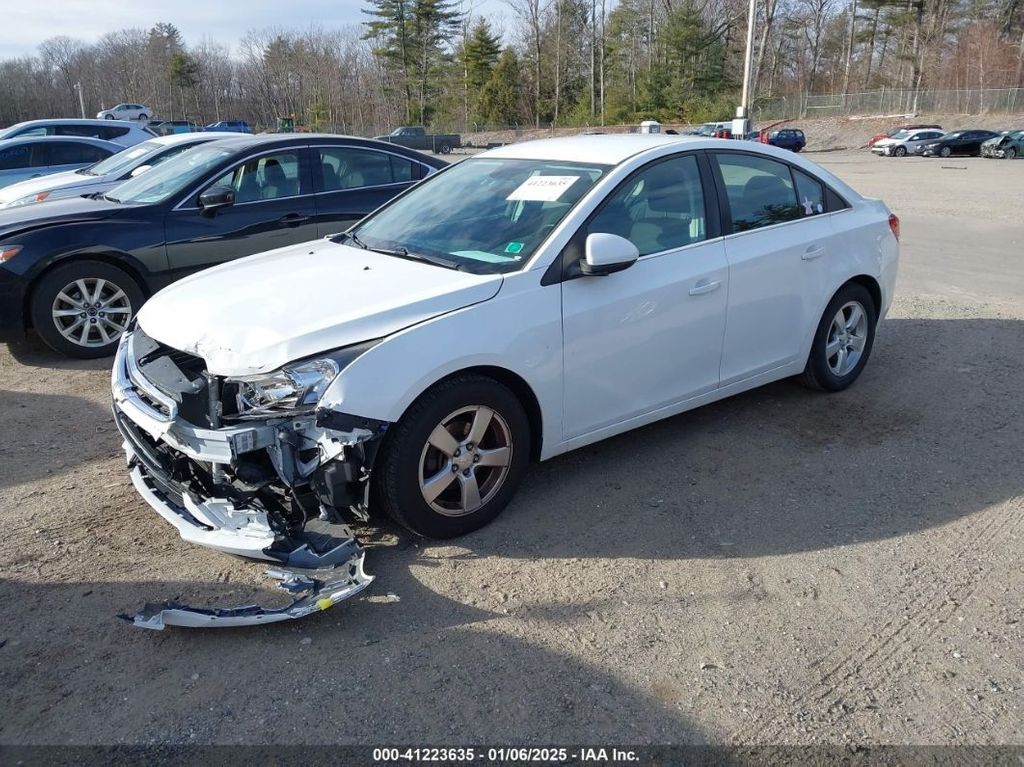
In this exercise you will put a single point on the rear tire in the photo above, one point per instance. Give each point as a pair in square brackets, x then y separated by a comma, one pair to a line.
[82, 308]
[842, 343]
[465, 445]
[144, 117]
[445, 149]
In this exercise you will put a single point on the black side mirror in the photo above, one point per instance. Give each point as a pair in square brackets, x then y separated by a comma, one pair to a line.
[215, 198]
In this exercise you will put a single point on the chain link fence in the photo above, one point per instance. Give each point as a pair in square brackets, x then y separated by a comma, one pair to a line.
[895, 101]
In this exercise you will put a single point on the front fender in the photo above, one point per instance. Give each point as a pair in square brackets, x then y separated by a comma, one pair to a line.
[519, 330]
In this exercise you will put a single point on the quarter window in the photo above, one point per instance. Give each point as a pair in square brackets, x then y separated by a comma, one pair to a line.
[269, 177]
[660, 208]
[351, 168]
[69, 153]
[810, 194]
[760, 191]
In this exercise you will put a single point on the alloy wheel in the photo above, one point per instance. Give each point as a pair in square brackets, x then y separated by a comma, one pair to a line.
[466, 460]
[846, 338]
[91, 312]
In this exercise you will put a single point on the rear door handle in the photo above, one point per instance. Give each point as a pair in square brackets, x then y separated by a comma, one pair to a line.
[813, 252]
[293, 219]
[705, 286]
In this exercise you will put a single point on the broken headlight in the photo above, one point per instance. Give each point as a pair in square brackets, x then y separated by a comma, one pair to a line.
[296, 387]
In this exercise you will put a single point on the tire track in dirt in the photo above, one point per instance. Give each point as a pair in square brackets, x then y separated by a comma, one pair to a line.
[938, 598]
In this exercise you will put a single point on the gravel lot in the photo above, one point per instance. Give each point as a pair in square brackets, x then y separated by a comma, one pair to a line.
[782, 567]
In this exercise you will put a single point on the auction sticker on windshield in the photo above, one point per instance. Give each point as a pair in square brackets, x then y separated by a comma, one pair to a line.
[542, 188]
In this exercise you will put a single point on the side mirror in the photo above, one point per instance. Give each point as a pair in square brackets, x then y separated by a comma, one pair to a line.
[141, 169]
[607, 253]
[215, 198]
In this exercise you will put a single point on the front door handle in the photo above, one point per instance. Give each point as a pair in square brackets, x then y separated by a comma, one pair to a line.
[705, 286]
[293, 219]
[813, 252]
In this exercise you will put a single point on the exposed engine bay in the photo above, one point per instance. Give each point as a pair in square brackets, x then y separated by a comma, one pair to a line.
[232, 473]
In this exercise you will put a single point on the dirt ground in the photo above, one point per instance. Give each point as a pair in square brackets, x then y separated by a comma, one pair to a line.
[781, 567]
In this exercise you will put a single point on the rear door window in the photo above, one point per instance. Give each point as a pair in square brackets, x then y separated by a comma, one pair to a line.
[73, 153]
[760, 191]
[353, 168]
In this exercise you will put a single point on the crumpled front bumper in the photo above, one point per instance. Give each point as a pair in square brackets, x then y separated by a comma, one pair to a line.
[324, 565]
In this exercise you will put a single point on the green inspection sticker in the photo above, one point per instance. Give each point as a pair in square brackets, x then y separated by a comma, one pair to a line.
[513, 247]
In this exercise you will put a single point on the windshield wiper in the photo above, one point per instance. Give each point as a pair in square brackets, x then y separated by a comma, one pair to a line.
[348, 236]
[401, 252]
[108, 198]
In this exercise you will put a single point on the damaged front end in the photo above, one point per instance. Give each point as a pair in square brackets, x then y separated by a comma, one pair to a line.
[247, 466]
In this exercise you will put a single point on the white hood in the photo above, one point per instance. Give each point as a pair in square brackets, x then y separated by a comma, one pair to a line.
[54, 181]
[258, 313]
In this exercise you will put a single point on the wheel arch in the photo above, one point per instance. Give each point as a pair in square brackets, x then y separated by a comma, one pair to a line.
[871, 285]
[519, 387]
[121, 261]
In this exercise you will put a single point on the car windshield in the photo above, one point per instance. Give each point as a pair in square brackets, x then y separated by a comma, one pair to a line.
[485, 216]
[902, 134]
[122, 161]
[168, 178]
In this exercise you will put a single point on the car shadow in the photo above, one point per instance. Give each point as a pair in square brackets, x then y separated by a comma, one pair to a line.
[47, 434]
[32, 352]
[930, 433]
[424, 670]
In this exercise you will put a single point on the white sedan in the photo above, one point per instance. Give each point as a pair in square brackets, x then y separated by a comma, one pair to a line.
[520, 304]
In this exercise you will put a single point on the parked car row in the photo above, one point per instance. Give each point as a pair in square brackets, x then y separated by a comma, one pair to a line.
[932, 141]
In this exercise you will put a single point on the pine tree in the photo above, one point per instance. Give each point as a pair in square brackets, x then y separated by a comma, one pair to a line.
[478, 56]
[501, 98]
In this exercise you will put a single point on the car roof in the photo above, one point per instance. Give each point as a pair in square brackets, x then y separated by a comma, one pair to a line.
[606, 149]
[59, 140]
[188, 138]
[247, 141]
[74, 121]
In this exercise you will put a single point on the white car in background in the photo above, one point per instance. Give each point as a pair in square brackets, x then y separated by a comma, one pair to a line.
[120, 132]
[906, 142]
[522, 303]
[126, 112]
[106, 174]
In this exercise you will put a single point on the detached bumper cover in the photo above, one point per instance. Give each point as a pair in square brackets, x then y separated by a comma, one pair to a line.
[316, 591]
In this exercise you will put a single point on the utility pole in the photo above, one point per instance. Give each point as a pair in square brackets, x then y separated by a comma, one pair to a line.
[81, 101]
[741, 125]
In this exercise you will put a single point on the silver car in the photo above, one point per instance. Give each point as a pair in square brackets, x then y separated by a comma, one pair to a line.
[906, 142]
[126, 112]
[24, 158]
[119, 131]
[105, 174]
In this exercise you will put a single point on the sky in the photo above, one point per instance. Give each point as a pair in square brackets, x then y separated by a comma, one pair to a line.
[26, 24]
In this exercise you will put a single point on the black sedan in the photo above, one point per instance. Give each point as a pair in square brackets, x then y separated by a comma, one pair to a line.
[963, 142]
[77, 270]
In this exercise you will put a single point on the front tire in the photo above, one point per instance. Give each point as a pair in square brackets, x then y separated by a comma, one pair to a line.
[82, 309]
[945, 152]
[843, 340]
[900, 151]
[1009, 153]
[144, 117]
[455, 459]
[108, 117]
